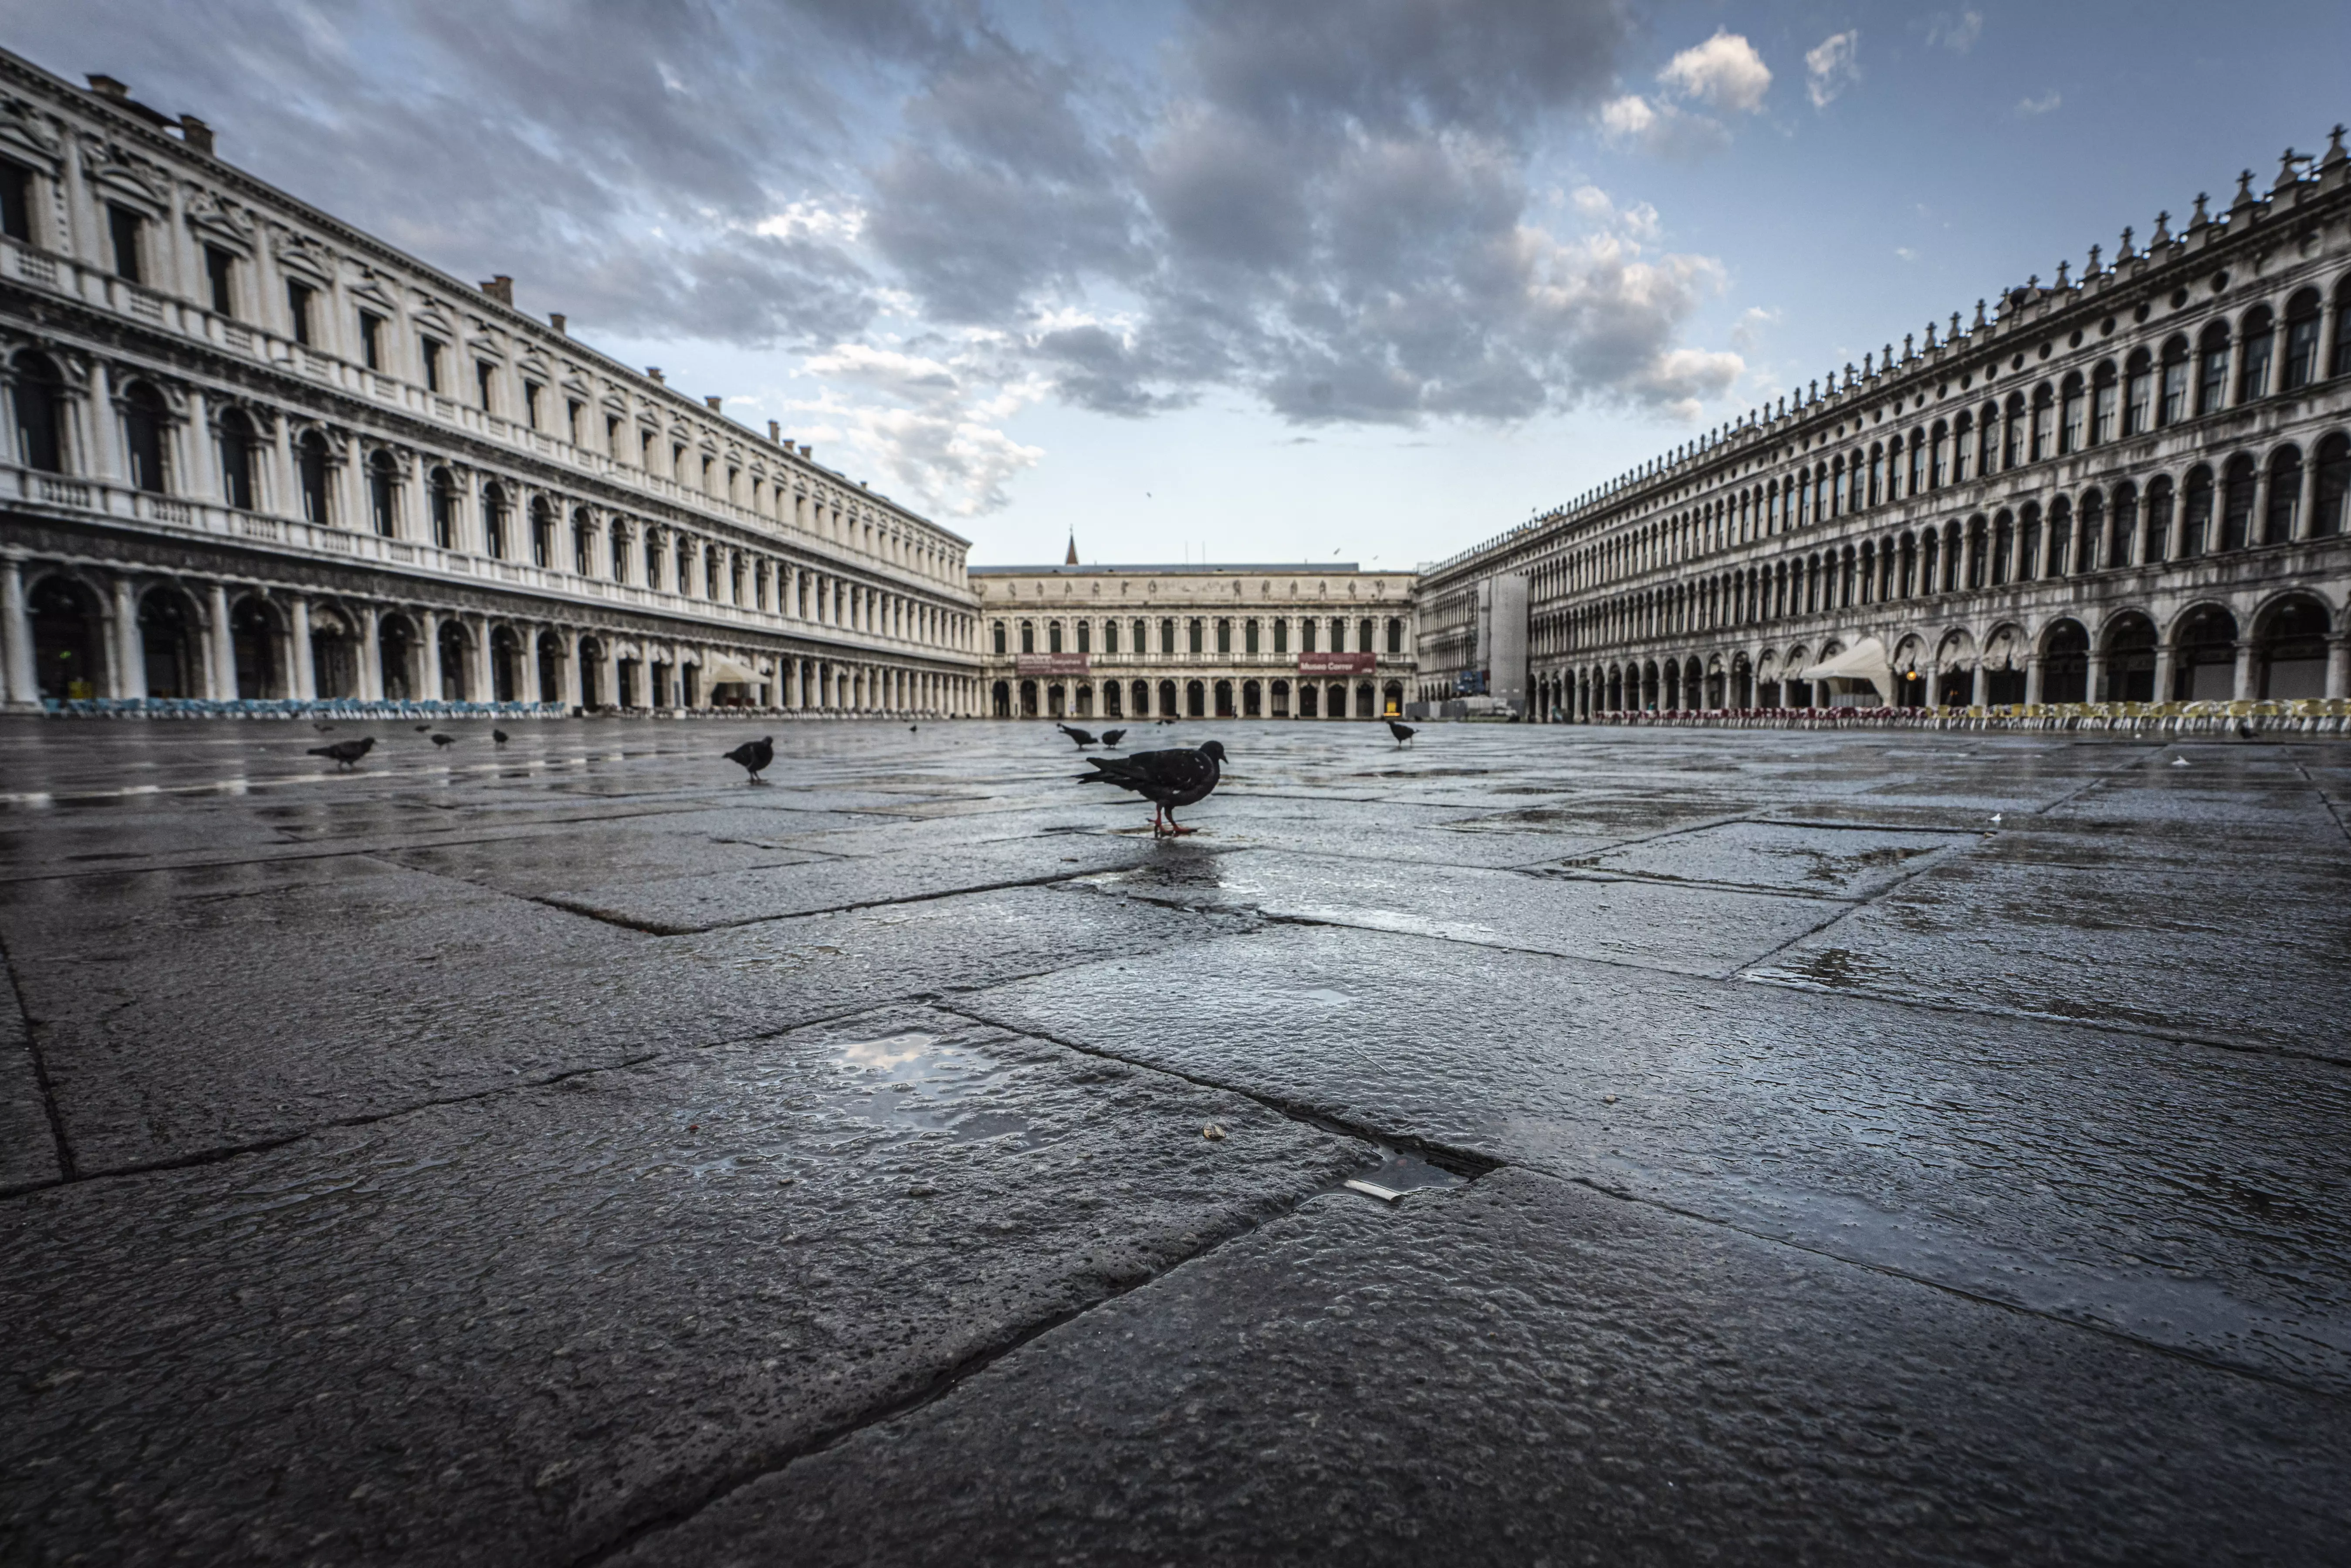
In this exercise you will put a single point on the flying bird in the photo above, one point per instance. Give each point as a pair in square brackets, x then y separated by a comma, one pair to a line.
[1083, 737]
[1112, 736]
[753, 755]
[1165, 778]
[499, 736]
[439, 740]
[346, 752]
[1403, 732]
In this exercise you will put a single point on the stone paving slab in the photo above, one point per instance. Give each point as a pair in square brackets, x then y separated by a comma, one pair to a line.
[2004, 1158]
[516, 1328]
[1526, 1371]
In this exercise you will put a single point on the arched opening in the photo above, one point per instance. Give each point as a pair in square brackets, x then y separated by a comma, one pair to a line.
[40, 399]
[440, 493]
[1085, 700]
[1252, 700]
[396, 647]
[254, 640]
[1224, 699]
[1392, 700]
[2290, 650]
[1309, 698]
[2284, 509]
[240, 447]
[2237, 504]
[2129, 674]
[592, 660]
[1334, 696]
[2302, 324]
[1279, 696]
[1365, 703]
[1195, 695]
[1028, 699]
[2333, 486]
[1616, 688]
[144, 421]
[1056, 701]
[383, 493]
[550, 667]
[66, 640]
[506, 664]
[542, 533]
[496, 513]
[310, 471]
[2066, 664]
[1000, 695]
[1140, 692]
[1673, 684]
[453, 648]
[1113, 707]
[167, 644]
[2204, 656]
[2253, 361]
[334, 654]
[1167, 693]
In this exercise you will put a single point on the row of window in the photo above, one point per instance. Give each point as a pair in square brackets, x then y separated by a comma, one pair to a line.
[1199, 629]
[1199, 699]
[2243, 505]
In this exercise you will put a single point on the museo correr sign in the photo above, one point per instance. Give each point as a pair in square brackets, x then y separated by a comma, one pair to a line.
[1050, 664]
[1337, 663]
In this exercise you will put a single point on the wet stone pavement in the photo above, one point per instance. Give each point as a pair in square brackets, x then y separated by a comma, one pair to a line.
[1781, 1149]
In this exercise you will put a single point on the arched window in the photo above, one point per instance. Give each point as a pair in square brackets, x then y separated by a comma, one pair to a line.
[1364, 635]
[1052, 637]
[143, 417]
[2338, 355]
[442, 491]
[2044, 420]
[1027, 636]
[1192, 640]
[2069, 425]
[2237, 504]
[1085, 637]
[1281, 635]
[311, 465]
[383, 493]
[496, 511]
[2253, 364]
[2090, 533]
[2334, 484]
[1877, 474]
[1166, 646]
[1396, 635]
[240, 454]
[2196, 513]
[2175, 380]
[2280, 516]
[583, 543]
[40, 415]
[1250, 639]
[619, 554]
[2139, 393]
[1937, 444]
[2060, 535]
[2156, 539]
[999, 630]
[542, 532]
[1110, 637]
[2012, 453]
[2104, 392]
[1988, 440]
[2122, 528]
[2302, 322]
[1963, 440]
[2212, 367]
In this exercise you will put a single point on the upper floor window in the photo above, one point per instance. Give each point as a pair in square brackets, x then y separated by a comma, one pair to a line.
[1167, 636]
[583, 543]
[2212, 369]
[1396, 635]
[220, 271]
[1110, 637]
[999, 639]
[298, 297]
[1963, 440]
[485, 373]
[1028, 637]
[1306, 635]
[2070, 426]
[1053, 638]
[40, 415]
[142, 430]
[2338, 356]
[1364, 635]
[1224, 636]
[1248, 640]
[123, 227]
[2253, 364]
[2103, 395]
[575, 417]
[372, 340]
[16, 201]
[2174, 407]
[240, 454]
[530, 391]
[2138, 393]
[2012, 446]
[1192, 636]
[2302, 339]
[621, 560]
[1085, 637]
[542, 533]
[1338, 634]
[310, 468]
[442, 492]
[2044, 419]
[383, 493]
[428, 348]
[1281, 636]
[495, 515]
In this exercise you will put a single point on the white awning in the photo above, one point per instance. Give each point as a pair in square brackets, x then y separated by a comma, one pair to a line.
[1864, 663]
[719, 670]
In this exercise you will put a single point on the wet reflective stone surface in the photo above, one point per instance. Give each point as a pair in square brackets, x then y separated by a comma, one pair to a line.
[1841, 1148]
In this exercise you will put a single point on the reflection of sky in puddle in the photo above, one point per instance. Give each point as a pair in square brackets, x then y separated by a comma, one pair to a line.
[1399, 1171]
[911, 1083]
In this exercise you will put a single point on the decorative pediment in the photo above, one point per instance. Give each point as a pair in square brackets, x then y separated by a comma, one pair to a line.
[27, 137]
[305, 258]
[217, 224]
[432, 316]
[370, 286]
[487, 346]
[125, 184]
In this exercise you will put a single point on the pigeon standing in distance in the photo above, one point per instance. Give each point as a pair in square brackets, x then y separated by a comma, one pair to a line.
[1112, 736]
[1083, 737]
[1165, 778]
[753, 756]
[422, 727]
[322, 726]
[439, 740]
[1403, 732]
[499, 736]
[345, 752]
[2244, 730]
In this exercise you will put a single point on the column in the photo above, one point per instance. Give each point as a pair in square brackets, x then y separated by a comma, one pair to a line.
[486, 656]
[431, 681]
[2094, 679]
[572, 691]
[198, 473]
[2338, 665]
[1976, 685]
[105, 461]
[24, 688]
[2305, 514]
[130, 657]
[370, 655]
[2031, 679]
[297, 623]
[223, 659]
[2163, 671]
[2243, 690]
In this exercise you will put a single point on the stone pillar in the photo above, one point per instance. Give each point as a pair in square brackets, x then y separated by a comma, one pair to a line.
[223, 659]
[1976, 682]
[2243, 687]
[2305, 514]
[2338, 666]
[2031, 679]
[431, 680]
[105, 456]
[2163, 671]
[197, 474]
[2094, 676]
[371, 654]
[129, 656]
[24, 688]
[297, 632]
[485, 652]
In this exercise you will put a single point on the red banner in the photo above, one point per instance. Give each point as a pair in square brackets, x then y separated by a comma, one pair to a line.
[1050, 664]
[1336, 663]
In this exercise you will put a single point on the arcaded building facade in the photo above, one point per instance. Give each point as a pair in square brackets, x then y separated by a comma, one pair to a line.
[2127, 485]
[1138, 642]
[253, 455]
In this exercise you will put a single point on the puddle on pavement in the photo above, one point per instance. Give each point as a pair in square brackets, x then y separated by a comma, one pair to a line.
[1398, 1171]
[912, 1082]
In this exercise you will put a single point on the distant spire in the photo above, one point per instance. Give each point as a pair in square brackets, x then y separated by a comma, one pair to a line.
[1072, 558]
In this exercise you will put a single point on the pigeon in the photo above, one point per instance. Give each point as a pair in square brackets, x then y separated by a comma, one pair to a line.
[499, 736]
[1083, 737]
[445, 740]
[1403, 732]
[914, 729]
[422, 727]
[1165, 778]
[346, 752]
[322, 726]
[2244, 730]
[1112, 736]
[753, 755]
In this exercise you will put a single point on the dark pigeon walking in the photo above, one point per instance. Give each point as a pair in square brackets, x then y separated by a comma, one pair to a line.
[1165, 778]
[1112, 736]
[346, 752]
[499, 736]
[422, 727]
[1083, 737]
[753, 755]
[439, 740]
[1403, 732]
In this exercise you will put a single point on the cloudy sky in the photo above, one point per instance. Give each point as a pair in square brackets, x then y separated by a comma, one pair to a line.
[1290, 280]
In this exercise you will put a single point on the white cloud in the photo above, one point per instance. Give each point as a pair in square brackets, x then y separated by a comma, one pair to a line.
[1627, 117]
[932, 427]
[810, 220]
[1661, 128]
[1832, 66]
[1958, 37]
[2031, 108]
[1724, 71]
[1751, 322]
[1905, 253]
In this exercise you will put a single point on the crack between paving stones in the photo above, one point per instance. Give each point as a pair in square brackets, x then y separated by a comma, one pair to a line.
[947, 1381]
[63, 1146]
[653, 928]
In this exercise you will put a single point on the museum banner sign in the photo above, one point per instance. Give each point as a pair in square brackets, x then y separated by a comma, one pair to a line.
[1336, 663]
[1050, 664]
